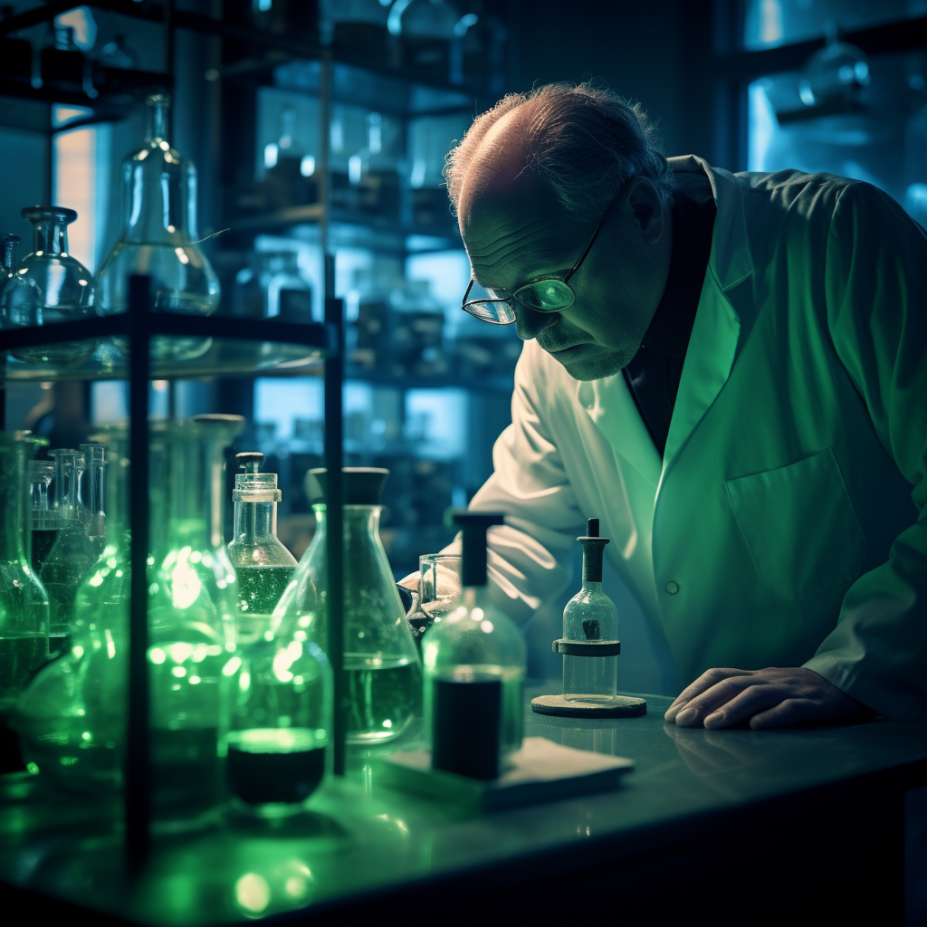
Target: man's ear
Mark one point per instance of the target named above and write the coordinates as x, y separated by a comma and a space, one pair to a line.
645, 206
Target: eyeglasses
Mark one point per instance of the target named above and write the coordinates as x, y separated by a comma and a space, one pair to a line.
549, 294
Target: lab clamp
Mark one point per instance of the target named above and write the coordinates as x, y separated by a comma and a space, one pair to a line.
590, 647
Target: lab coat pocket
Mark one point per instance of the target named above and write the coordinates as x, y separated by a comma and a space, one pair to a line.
799, 524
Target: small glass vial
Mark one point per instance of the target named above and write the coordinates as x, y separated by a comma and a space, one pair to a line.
92, 512
262, 564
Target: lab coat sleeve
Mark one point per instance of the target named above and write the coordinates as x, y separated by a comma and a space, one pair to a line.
876, 298
530, 558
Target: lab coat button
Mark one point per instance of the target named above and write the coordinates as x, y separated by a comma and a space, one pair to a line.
672, 588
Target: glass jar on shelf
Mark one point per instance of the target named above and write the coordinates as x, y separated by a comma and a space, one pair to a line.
290, 169
159, 239
71, 556
417, 334
378, 193
425, 30
44, 519
24, 612
369, 335
61, 288
356, 28
384, 679
72, 719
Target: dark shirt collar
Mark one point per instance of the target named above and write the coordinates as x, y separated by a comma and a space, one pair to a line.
693, 222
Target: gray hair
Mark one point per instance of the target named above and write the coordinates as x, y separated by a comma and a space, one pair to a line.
586, 142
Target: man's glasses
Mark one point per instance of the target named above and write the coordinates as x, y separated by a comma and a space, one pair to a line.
549, 294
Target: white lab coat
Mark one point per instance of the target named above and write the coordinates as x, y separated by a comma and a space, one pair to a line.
778, 529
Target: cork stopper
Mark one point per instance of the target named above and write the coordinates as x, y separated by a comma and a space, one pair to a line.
593, 551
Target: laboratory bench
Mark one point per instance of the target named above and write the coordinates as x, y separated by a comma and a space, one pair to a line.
793, 826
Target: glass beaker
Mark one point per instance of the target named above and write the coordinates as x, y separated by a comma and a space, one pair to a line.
281, 711
71, 556
23, 601
262, 564
44, 519
193, 603
381, 662
439, 591
72, 719
159, 198
64, 285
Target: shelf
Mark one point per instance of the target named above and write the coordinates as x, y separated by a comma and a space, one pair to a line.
222, 346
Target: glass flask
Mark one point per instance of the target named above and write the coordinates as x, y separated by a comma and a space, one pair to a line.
71, 556
93, 512
20, 298
262, 564
23, 601
193, 603
281, 710
475, 644
590, 617
44, 519
65, 287
158, 238
382, 667
72, 719
425, 29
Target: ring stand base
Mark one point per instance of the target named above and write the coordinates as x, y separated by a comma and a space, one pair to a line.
620, 706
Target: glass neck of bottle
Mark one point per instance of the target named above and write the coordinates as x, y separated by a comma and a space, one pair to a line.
255, 520
195, 493
590, 586
9, 255
12, 503
157, 121
50, 236
67, 475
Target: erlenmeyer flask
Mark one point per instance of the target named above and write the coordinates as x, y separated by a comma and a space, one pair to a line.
64, 285
383, 669
71, 556
72, 719
23, 602
192, 610
158, 238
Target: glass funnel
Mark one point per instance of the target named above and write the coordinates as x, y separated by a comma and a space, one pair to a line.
44, 519
158, 238
71, 556
192, 609
65, 288
72, 719
381, 663
262, 564
23, 601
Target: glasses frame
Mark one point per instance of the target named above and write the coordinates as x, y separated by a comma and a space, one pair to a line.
564, 279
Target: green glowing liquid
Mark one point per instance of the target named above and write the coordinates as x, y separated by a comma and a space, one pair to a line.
20, 657
385, 697
260, 588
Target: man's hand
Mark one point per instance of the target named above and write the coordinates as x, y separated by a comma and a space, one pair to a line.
771, 697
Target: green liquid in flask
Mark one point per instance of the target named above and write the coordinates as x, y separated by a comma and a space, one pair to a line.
260, 588
385, 697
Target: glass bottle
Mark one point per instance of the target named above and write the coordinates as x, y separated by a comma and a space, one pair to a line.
71, 556
44, 519
65, 287
262, 564
23, 601
476, 644
590, 617
273, 288
94, 513
158, 238
378, 192
425, 29
381, 663
356, 28
72, 719
290, 179
281, 710
20, 298
193, 603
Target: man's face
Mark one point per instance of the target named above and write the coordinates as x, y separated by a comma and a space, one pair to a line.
517, 232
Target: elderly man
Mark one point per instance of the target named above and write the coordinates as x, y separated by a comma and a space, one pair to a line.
729, 371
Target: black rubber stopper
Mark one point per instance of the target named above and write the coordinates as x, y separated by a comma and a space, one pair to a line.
473, 526
359, 485
593, 551
465, 726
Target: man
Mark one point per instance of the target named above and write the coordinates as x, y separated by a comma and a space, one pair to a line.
728, 370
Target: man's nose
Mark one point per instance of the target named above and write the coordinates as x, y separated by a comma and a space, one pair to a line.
529, 323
